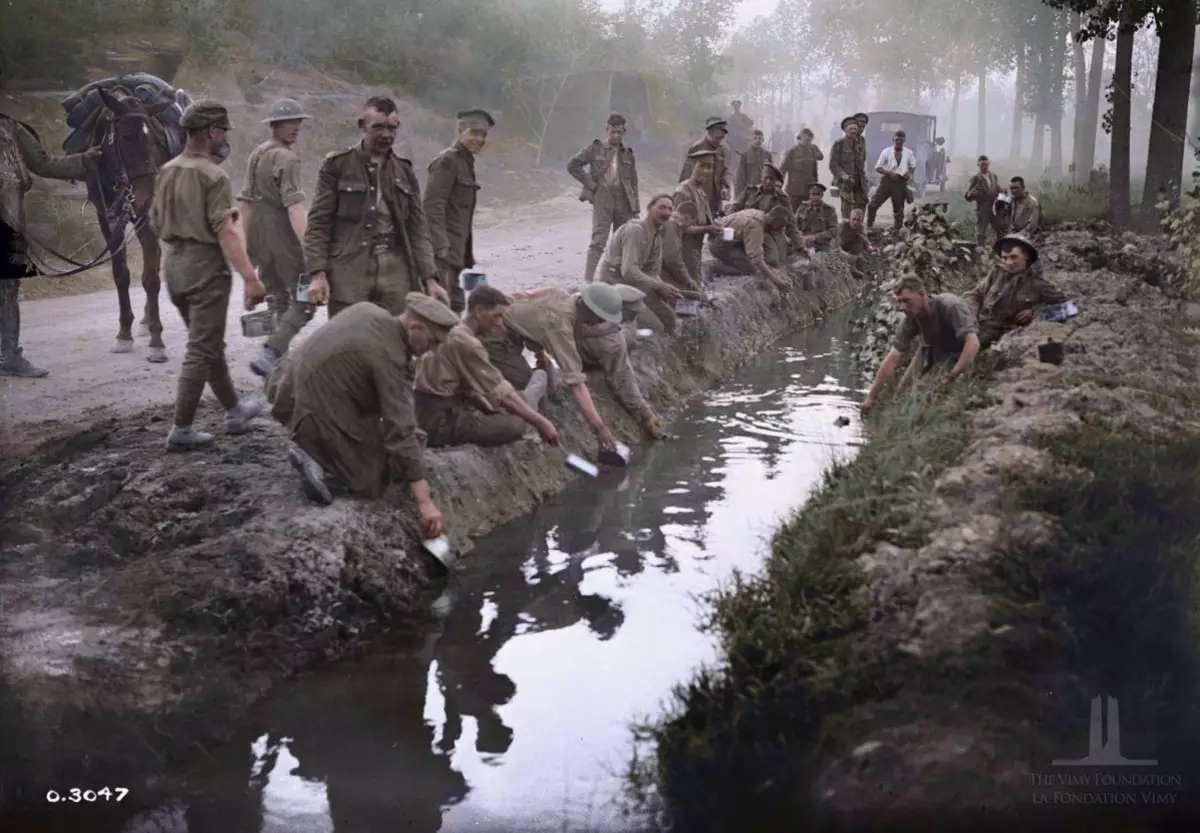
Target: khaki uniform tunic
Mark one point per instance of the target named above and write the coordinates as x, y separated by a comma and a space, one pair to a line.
367, 231
942, 332
800, 168
192, 202
1026, 216
817, 219
848, 158
693, 244
983, 190
998, 298
674, 269
736, 257
722, 170
609, 180
272, 187
451, 196
781, 242
345, 395
458, 391
603, 346
543, 323
750, 168
634, 256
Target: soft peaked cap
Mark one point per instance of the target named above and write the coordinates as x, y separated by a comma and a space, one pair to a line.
430, 310
201, 115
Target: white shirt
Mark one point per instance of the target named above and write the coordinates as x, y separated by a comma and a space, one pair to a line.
887, 161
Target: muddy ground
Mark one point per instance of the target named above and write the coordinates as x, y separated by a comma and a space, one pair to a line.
148, 598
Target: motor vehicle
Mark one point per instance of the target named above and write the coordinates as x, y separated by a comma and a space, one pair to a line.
921, 132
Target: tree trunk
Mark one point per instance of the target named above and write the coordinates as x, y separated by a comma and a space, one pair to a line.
1037, 158
1054, 109
1015, 150
982, 109
953, 126
1172, 88
1121, 109
1086, 157
1194, 121
1079, 71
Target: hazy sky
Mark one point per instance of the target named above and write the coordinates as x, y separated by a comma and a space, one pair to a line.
747, 9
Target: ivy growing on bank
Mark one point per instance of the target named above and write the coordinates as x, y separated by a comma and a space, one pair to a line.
1182, 225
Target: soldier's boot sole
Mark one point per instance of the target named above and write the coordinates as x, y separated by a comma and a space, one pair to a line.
315, 487
238, 419
264, 362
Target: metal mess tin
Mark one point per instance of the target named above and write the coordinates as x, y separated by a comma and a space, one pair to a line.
442, 551
686, 307
302, 289
258, 324
574, 461
470, 280
645, 332
618, 458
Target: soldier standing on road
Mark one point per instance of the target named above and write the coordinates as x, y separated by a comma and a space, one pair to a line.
21, 154
272, 207
895, 167
451, 193
816, 219
345, 397
739, 122
367, 238
800, 167
194, 218
781, 243
695, 190
847, 164
608, 173
982, 190
719, 185
635, 256
750, 165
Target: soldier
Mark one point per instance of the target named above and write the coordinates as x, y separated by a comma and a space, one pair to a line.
781, 243
695, 190
21, 154
800, 167
272, 208
609, 177
847, 164
1013, 292
816, 220
853, 244
946, 325
895, 167
744, 254
345, 397
863, 120
739, 122
982, 190
674, 269
457, 390
451, 193
634, 257
545, 319
367, 239
193, 215
718, 187
1026, 215
750, 164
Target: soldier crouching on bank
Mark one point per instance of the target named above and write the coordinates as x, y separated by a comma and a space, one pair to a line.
458, 389
745, 253
367, 239
346, 398
634, 256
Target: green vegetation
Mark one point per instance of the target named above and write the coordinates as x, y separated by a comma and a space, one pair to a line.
730, 755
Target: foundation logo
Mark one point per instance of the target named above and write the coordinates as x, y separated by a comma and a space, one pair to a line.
1104, 739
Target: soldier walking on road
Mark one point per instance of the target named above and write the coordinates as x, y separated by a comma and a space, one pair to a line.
608, 173
193, 215
719, 185
847, 164
272, 207
750, 164
982, 190
800, 167
367, 238
695, 190
451, 194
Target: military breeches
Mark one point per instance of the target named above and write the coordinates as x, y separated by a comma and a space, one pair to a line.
853, 195
355, 454
731, 258
610, 211
290, 315
692, 250
984, 220
10, 317
775, 248
889, 189
386, 282
448, 276
202, 298
450, 422
507, 355
658, 315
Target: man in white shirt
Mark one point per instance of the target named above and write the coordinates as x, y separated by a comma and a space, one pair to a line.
895, 168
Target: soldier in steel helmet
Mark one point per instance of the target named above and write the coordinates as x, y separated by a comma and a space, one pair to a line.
194, 218
272, 204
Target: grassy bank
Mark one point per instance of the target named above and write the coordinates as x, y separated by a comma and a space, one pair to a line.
733, 752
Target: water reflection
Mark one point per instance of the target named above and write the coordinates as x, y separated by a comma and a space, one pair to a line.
513, 712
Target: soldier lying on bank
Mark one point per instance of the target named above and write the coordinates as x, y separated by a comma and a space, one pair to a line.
458, 389
345, 396
780, 244
634, 256
1013, 292
817, 220
946, 325
545, 320
744, 255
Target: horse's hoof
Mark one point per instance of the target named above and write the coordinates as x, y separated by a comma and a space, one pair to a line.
158, 355
143, 330
122, 346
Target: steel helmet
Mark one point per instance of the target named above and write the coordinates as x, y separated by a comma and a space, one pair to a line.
285, 109
604, 301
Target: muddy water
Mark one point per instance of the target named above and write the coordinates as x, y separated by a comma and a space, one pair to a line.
513, 711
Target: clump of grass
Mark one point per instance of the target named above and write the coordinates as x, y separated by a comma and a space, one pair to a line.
736, 744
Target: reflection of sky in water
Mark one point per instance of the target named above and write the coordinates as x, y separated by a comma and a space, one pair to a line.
589, 608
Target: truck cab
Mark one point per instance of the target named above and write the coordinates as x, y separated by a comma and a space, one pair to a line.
920, 130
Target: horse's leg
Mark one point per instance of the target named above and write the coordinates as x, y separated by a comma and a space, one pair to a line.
151, 283
120, 270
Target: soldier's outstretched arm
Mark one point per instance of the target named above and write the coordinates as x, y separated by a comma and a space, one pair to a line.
43, 164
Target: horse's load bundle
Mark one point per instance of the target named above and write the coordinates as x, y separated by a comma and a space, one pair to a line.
84, 105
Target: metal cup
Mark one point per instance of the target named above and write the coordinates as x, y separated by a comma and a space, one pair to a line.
442, 551
727, 234
618, 458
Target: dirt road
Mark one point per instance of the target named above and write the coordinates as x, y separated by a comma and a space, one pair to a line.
538, 245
